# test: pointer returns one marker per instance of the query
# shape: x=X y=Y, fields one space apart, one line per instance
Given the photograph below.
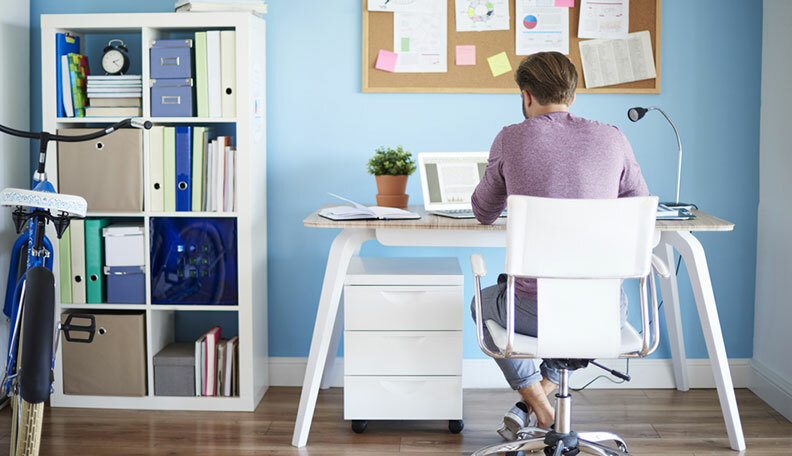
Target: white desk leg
x=676 y=339
x=695 y=260
x=343 y=248
x=338 y=329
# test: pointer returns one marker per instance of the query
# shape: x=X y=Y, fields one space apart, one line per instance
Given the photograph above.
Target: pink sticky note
x=466 y=55
x=566 y=3
x=386 y=61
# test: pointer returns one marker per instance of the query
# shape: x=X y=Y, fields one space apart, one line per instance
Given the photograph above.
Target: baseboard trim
x=484 y=373
x=771 y=388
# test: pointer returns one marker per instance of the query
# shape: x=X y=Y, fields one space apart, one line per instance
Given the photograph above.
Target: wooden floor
x=654 y=422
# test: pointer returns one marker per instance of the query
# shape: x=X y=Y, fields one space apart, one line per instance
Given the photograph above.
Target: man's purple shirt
x=556 y=155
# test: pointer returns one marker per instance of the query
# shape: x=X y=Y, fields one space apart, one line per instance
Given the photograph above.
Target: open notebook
x=360 y=212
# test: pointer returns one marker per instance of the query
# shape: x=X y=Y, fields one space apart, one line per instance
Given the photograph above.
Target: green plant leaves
x=394 y=162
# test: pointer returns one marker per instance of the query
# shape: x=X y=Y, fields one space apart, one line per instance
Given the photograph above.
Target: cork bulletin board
x=378 y=34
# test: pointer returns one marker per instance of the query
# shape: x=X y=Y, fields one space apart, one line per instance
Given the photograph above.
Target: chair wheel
x=456 y=426
x=359 y=426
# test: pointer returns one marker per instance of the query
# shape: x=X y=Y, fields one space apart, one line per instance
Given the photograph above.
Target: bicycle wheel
x=34 y=361
x=26 y=421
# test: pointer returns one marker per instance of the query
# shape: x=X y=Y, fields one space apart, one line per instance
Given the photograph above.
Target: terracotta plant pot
x=390 y=191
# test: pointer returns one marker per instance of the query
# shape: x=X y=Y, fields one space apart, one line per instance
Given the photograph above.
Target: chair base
x=532 y=439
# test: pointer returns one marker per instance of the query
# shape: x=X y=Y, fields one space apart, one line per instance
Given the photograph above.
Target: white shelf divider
x=250 y=127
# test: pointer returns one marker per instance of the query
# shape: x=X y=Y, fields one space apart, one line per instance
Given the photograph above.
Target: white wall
x=15 y=113
x=772 y=360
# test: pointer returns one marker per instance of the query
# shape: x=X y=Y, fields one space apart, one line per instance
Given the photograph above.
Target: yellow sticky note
x=499 y=64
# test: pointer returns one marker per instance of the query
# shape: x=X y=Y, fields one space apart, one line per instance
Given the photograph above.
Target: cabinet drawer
x=403 y=352
x=403 y=398
x=403 y=308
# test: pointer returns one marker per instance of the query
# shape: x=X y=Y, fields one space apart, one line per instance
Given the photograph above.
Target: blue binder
x=183 y=168
x=64 y=44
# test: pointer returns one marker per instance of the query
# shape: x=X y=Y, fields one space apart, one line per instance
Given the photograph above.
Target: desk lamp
x=636 y=114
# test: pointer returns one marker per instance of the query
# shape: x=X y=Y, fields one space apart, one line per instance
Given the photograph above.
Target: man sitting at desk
x=553 y=154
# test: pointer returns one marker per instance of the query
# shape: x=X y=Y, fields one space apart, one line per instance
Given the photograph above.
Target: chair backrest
x=579 y=250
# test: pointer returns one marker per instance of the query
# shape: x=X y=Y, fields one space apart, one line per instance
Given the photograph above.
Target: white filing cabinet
x=403 y=340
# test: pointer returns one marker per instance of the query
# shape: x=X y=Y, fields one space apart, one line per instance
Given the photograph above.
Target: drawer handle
x=403 y=386
x=171 y=99
x=169 y=61
x=400 y=297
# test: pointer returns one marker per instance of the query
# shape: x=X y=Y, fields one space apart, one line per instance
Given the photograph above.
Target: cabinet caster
x=359 y=426
x=456 y=426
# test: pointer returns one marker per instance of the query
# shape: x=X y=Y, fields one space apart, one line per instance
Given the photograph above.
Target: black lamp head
x=635 y=114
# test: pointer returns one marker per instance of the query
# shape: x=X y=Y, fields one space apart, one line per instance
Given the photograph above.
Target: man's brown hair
x=549 y=77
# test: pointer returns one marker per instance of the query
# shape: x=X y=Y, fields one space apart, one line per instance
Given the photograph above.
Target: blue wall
x=322 y=130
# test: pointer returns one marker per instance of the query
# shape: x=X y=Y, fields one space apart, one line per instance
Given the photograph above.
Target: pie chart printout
x=530 y=22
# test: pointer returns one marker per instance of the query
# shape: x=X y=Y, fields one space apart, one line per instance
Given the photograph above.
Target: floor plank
x=654 y=423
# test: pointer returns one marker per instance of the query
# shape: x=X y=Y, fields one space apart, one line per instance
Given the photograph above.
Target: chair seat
x=631 y=341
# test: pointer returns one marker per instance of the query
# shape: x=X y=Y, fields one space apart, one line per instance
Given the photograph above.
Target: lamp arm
x=679 y=143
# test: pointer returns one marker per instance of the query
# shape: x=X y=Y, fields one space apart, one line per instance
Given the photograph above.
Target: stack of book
x=216 y=365
x=215 y=73
x=115 y=96
x=258 y=7
x=191 y=172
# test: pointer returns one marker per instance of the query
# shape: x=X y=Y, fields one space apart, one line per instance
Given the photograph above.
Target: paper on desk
x=399 y=5
x=420 y=39
x=609 y=62
x=540 y=28
x=481 y=15
x=604 y=19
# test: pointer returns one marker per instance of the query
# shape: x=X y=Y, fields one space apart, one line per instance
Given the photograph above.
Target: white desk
x=434 y=231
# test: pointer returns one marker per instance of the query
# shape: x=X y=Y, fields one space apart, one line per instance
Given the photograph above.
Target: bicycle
x=30 y=293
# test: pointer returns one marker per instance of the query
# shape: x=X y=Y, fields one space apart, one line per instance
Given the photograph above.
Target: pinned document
x=386 y=61
x=481 y=15
x=599 y=19
x=466 y=55
x=609 y=62
x=499 y=64
x=426 y=32
x=540 y=28
x=565 y=3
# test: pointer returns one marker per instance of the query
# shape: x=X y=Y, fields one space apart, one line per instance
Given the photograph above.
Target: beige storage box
x=114 y=364
x=107 y=172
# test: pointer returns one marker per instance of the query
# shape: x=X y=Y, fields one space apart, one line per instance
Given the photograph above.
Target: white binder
x=228 y=72
x=155 y=169
x=78 y=260
x=213 y=70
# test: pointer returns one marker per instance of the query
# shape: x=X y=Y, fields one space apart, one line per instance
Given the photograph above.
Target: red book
x=212 y=337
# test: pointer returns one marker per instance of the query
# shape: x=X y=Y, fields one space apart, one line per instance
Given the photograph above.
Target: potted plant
x=390 y=168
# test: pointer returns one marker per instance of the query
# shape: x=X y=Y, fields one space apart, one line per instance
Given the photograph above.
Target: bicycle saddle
x=74 y=206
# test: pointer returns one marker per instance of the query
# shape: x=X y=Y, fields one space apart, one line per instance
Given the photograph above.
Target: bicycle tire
x=37 y=331
x=26 y=422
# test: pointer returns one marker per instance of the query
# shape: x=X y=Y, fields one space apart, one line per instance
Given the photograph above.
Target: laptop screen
x=448 y=179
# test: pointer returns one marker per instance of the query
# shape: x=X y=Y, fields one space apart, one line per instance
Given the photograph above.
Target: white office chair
x=579 y=250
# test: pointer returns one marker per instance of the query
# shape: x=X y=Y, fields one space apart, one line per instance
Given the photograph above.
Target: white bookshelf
x=250 y=214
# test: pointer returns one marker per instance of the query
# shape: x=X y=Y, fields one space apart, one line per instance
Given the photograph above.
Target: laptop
x=448 y=180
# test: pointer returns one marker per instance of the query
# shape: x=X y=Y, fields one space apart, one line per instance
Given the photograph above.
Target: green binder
x=169 y=169
x=64 y=267
x=94 y=258
x=201 y=76
x=197 y=167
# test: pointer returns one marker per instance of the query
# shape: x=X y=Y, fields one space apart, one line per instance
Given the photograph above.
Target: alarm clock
x=116 y=58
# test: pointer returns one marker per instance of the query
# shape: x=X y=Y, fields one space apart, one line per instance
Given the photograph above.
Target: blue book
x=183 y=168
x=64 y=44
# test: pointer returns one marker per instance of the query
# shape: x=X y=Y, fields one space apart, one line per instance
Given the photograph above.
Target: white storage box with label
x=124 y=245
x=403 y=340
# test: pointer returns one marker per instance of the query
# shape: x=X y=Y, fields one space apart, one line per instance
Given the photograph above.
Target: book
x=115 y=102
x=156 y=162
x=212 y=338
x=114 y=77
x=213 y=73
x=64 y=44
x=78 y=70
x=201 y=75
x=94 y=257
x=228 y=73
x=64 y=263
x=667 y=213
x=77 y=245
x=222 y=353
x=94 y=95
x=231 y=373
x=257 y=7
x=228 y=179
x=113 y=111
x=360 y=212
x=198 y=145
x=169 y=169
x=65 y=84
x=183 y=166
x=199 y=365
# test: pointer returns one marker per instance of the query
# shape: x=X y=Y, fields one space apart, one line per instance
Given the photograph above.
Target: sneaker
x=514 y=420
